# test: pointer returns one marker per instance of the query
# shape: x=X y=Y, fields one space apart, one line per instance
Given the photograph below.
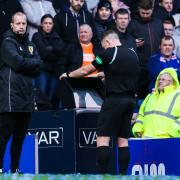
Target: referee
x=121 y=69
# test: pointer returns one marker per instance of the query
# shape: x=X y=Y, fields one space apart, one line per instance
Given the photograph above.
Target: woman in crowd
x=50 y=47
x=34 y=10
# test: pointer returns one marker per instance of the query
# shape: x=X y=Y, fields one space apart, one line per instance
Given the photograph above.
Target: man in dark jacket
x=19 y=64
x=7 y=9
x=68 y=20
x=148 y=32
x=122 y=19
x=164 y=11
x=103 y=21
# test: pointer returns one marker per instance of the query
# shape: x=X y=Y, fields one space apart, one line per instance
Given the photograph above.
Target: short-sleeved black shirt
x=121 y=68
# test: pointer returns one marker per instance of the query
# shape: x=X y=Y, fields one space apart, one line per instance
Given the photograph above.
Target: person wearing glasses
x=159 y=114
x=165 y=58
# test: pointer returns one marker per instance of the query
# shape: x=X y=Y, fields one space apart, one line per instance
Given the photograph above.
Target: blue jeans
x=46 y=83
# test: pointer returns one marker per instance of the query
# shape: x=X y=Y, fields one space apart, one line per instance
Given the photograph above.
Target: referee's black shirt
x=121 y=70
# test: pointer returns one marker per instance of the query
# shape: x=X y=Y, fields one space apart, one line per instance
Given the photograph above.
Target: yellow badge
x=30 y=49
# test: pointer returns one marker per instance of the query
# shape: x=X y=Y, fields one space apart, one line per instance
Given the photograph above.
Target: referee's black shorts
x=115 y=116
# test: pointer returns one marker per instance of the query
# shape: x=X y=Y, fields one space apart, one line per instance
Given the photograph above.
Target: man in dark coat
x=122 y=19
x=19 y=63
x=148 y=32
x=7 y=9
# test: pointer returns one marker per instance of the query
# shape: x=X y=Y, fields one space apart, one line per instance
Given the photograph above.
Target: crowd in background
x=55 y=27
x=43 y=41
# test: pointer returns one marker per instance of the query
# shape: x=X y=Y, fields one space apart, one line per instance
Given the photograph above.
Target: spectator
x=115 y=4
x=83 y=53
x=150 y=30
x=68 y=20
x=164 y=59
x=159 y=114
x=168 y=31
x=134 y=6
x=122 y=19
x=7 y=9
x=164 y=11
x=19 y=64
x=167 y=5
x=59 y=4
x=50 y=47
x=34 y=10
x=168 y=28
x=103 y=20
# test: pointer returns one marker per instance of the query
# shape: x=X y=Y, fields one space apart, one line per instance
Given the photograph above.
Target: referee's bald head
x=110 y=39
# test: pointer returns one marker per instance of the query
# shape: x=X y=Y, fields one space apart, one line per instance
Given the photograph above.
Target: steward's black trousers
x=13 y=124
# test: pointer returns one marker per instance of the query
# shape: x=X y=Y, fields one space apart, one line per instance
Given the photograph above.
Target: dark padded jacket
x=19 y=63
x=66 y=24
x=126 y=39
x=152 y=32
x=50 y=47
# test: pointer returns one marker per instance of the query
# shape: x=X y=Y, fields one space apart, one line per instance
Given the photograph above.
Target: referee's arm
x=80 y=72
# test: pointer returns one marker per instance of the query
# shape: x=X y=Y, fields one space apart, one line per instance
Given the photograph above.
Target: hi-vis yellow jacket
x=159 y=114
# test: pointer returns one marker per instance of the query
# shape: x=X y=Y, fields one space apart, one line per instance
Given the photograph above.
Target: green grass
x=82 y=177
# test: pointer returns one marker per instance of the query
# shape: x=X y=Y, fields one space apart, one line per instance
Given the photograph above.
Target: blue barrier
x=67 y=144
x=67 y=141
x=154 y=157
x=29 y=156
x=56 y=140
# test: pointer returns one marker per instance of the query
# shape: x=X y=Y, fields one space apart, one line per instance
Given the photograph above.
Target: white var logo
x=90 y=137
x=152 y=170
x=48 y=137
x=87 y=137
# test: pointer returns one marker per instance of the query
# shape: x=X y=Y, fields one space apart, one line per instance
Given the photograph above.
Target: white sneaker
x=1 y=171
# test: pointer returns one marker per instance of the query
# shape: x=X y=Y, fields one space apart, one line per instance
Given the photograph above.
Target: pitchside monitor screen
x=87 y=98
x=81 y=93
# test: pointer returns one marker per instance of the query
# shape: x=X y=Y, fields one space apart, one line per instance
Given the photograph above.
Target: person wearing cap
x=159 y=114
x=103 y=20
x=115 y=4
